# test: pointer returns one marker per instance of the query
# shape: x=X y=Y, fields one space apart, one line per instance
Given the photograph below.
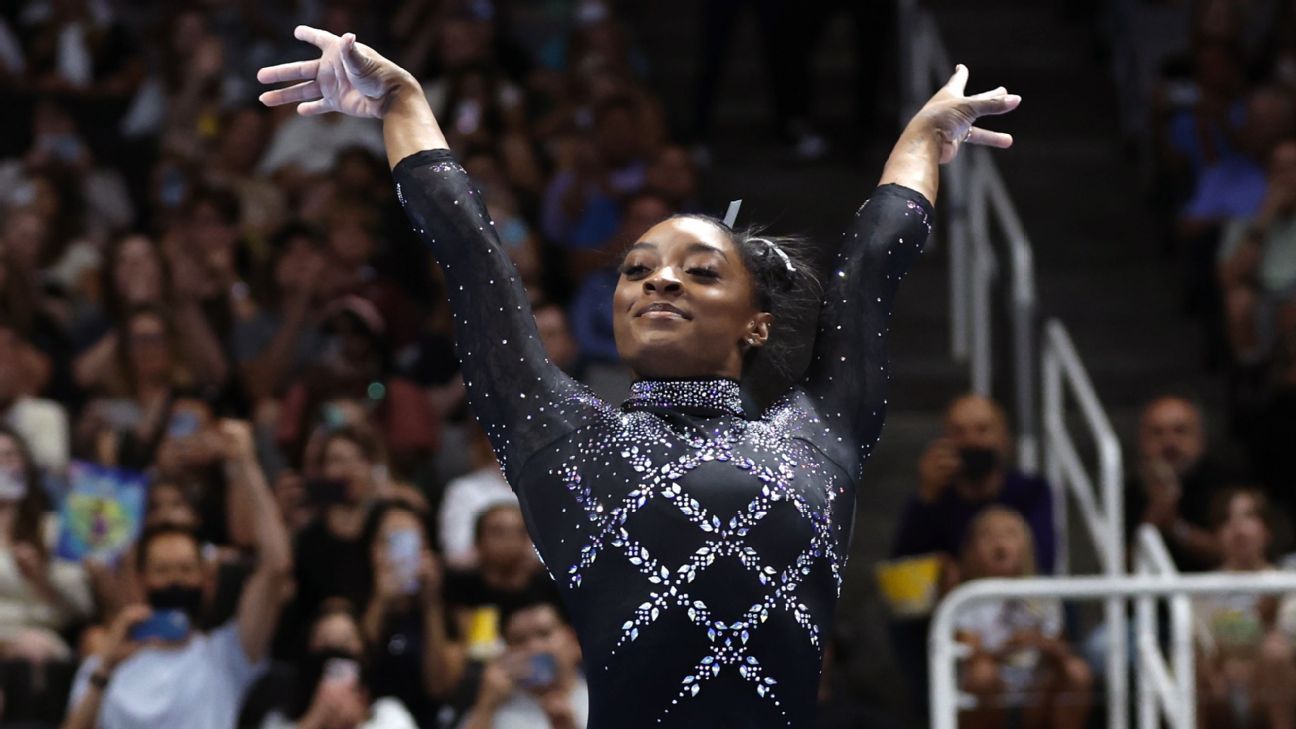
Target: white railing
x=944 y=650
x=978 y=203
x=1165 y=689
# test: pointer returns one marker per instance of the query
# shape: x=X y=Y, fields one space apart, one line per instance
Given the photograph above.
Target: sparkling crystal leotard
x=699 y=550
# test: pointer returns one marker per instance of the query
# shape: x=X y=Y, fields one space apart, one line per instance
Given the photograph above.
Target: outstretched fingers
x=308 y=91
x=296 y=71
x=987 y=138
x=958 y=82
x=321 y=39
x=992 y=105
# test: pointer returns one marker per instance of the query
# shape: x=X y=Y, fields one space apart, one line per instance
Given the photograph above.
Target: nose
x=663 y=281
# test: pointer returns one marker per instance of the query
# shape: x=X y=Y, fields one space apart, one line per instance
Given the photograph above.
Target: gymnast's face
x=685 y=304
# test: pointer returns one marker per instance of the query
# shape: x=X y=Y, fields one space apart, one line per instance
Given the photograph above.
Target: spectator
x=41 y=596
x=1257 y=266
x=536 y=682
x=965 y=471
x=35 y=420
x=199 y=679
x=332 y=686
x=1246 y=670
x=343 y=480
x=1018 y=654
x=406 y=620
x=355 y=373
x=507 y=572
x=1174 y=481
x=466 y=498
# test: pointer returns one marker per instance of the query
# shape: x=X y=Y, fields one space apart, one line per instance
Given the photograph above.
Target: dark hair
x=480 y=522
x=113 y=302
x=379 y=511
x=365 y=438
x=157 y=532
x=532 y=597
x=28 y=527
x=786 y=284
x=1222 y=504
x=225 y=202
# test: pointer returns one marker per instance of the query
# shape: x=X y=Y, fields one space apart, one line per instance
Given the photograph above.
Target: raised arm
x=848 y=371
x=523 y=401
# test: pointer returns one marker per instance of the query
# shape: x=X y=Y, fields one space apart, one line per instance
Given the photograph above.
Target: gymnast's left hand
x=348 y=77
x=952 y=115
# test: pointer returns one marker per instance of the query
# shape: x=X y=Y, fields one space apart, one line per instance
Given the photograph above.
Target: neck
x=345 y=521
x=981 y=490
x=706 y=396
x=506 y=576
x=1248 y=563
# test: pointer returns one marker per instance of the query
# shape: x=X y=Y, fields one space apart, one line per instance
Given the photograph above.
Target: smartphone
x=168 y=626
x=341 y=670
x=13 y=487
x=326 y=492
x=182 y=424
x=541 y=671
x=405 y=550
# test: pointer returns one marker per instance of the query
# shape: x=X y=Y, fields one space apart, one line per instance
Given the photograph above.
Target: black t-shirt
x=324 y=566
x=1198 y=490
x=467 y=589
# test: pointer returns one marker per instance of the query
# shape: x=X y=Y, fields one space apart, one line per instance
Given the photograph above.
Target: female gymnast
x=698 y=547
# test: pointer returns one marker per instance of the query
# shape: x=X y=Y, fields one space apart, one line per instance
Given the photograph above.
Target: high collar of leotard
x=693 y=396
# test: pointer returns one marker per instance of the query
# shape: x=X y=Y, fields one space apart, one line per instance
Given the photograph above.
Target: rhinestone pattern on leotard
x=699 y=550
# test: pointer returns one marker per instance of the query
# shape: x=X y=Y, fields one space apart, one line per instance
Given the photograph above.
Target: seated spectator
x=1257 y=267
x=285 y=335
x=405 y=619
x=153 y=667
x=332 y=688
x=355 y=373
x=1018 y=655
x=345 y=476
x=965 y=471
x=1174 y=481
x=536 y=682
x=1234 y=185
x=37 y=421
x=1246 y=672
x=466 y=498
x=41 y=596
x=507 y=572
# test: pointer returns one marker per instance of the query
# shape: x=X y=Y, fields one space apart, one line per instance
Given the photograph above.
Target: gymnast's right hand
x=348 y=77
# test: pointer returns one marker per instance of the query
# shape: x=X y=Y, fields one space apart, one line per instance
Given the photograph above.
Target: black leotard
x=699 y=550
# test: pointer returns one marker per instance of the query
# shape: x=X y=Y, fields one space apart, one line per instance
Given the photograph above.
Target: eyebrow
x=694 y=247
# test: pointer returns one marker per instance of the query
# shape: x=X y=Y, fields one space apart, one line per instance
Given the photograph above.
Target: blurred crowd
x=226 y=301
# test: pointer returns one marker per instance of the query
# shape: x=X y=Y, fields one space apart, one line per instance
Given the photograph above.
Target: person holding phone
x=155 y=667
x=333 y=688
x=536 y=682
x=406 y=619
x=964 y=471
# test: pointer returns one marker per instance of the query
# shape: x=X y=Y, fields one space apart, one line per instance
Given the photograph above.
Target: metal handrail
x=977 y=198
x=1063 y=374
x=943 y=649
x=1165 y=690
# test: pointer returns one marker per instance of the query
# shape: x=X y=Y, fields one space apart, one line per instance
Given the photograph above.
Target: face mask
x=13 y=487
x=186 y=599
x=978 y=462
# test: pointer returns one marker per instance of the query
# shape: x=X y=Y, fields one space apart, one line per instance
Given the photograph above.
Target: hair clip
x=787 y=260
x=731 y=215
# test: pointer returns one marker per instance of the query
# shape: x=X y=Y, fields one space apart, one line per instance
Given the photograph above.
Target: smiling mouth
x=662 y=311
